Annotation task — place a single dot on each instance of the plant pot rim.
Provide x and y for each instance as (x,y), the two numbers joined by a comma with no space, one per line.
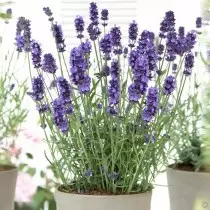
(57,192)
(8,169)
(169,167)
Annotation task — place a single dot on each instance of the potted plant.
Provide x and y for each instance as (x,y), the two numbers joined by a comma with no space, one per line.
(104,116)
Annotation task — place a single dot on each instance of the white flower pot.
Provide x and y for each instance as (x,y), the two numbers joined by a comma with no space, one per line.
(188,190)
(66,201)
(8,178)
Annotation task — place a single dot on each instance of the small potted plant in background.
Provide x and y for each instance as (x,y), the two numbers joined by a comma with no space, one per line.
(186,177)
(105,122)
(12,115)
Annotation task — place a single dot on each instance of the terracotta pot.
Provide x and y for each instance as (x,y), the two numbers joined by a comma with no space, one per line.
(188,190)
(8,177)
(66,201)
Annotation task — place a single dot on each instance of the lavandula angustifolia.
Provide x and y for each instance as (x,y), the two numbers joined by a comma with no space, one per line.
(171,44)
(106,46)
(151,108)
(104,17)
(132,34)
(49,64)
(49,13)
(79,26)
(36,53)
(116,40)
(140,78)
(167,24)
(169,85)
(78,64)
(93,28)
(23,35)
(189,63)
(58,35)
(198,22)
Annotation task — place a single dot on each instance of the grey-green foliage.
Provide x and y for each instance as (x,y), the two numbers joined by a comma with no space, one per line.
(186,132)
(12,114)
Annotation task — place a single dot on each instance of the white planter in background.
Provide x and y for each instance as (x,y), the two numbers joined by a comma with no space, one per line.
(66,201)
(188,190)
(7,188)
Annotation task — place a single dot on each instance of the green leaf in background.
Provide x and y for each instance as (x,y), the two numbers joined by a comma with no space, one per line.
(29,155)
(31,171)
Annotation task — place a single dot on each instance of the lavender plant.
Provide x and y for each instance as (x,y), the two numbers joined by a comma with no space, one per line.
(105,123)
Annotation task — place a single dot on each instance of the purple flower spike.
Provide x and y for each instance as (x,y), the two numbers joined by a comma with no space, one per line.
(23,35)
(49,64)
(151,108)
(189,63)
(43,108)
(169,85)
(106,46)
(59,118)
(86,47)
(64,90)
(79,65)
(116,40)
(199,22)
(171,43)
(49,13)
(93,31)
(167,24)
(58,35)
(104,17)
(79,26)
(94,13)
(133,33)
(37,88)
(36,53)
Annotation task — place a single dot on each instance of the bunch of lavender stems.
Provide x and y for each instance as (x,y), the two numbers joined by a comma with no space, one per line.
(105,125)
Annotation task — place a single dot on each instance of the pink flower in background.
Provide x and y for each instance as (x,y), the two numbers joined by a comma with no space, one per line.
(14,151)
(33,135)
(25,188)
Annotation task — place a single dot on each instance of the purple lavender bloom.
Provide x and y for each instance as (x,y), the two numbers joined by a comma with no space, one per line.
(113,176)
(198,22)
(59,118)
(151,105)
(114,91)
(149,139)
(167,24)
(37,89)
(112,110)
(181,31)
(58,35)
(160,51)
(79,26)
(79,65)
(104,17)
(133,33)
(49,64)
(132,58)
(189,63)
(169,85)
(48,12)
(171,43)
(141,78)
(36,53)
(43,108)
(23,35)
(114,88)
(93,31)
(12,86)
(88,173)
(190,40)
(86,46)
(116,40)
(19,43)
(9,12)
(99,106)
(106,46)
(64,90)
(94,13)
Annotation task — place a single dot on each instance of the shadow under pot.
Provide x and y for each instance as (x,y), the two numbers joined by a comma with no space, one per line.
(8,178)
(188,190)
